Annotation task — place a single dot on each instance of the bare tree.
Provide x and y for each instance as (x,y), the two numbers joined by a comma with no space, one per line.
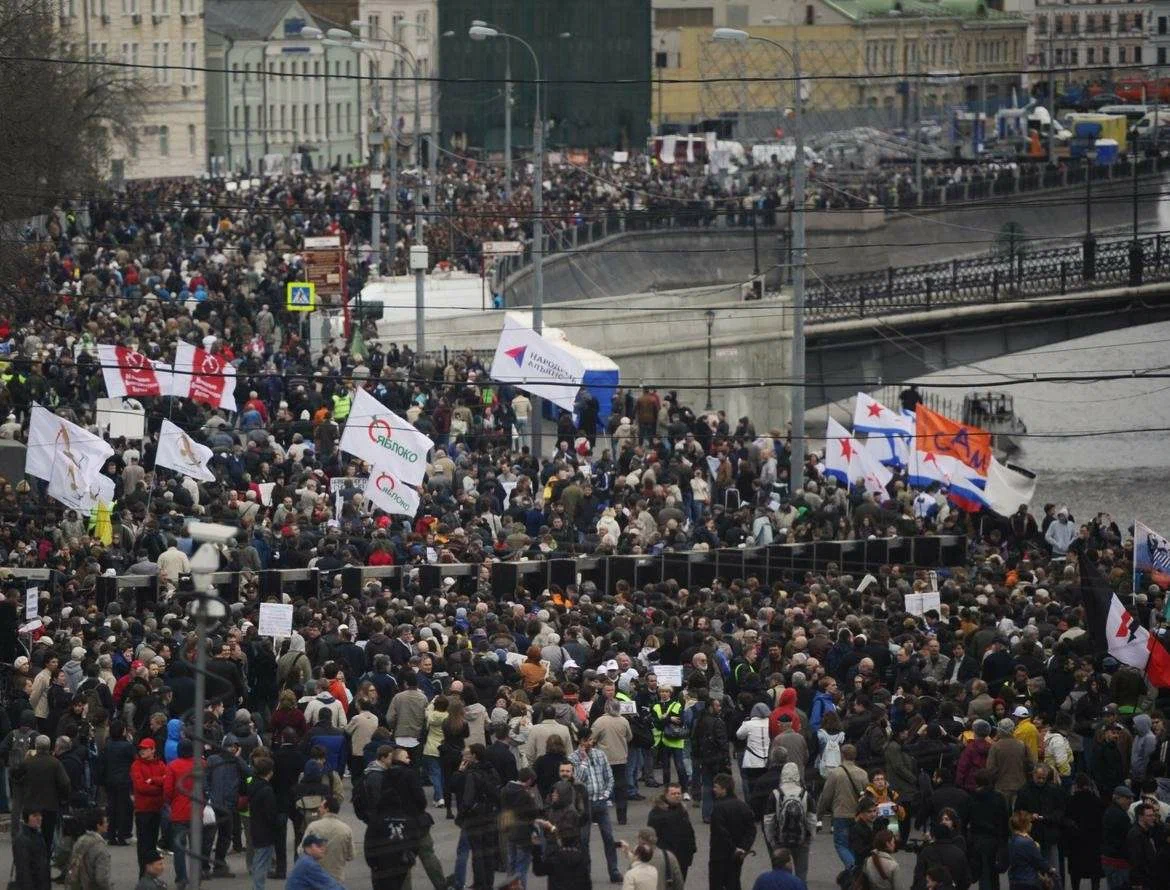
(62,115)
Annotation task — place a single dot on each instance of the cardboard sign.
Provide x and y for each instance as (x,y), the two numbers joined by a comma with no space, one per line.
(32,603)
(668,675)
(275,620)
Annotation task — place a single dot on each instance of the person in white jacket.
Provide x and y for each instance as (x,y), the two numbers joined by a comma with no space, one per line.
(754,732)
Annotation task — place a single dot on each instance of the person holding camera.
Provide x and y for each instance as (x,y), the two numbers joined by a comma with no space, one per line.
(641,875)
(558,855)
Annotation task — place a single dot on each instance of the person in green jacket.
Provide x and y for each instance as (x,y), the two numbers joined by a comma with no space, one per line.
(670,735)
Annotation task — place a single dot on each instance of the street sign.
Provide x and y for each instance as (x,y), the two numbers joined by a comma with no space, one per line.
(324,264)
(300,296)
(502,248)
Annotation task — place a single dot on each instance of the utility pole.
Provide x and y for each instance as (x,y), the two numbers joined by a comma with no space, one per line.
(419,261)
(796,470)
(392,230)
(195,835)
(1051,98)
(507,121)
(538,251)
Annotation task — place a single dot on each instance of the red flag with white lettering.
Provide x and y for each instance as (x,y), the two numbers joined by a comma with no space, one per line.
(204,377)
(128,373)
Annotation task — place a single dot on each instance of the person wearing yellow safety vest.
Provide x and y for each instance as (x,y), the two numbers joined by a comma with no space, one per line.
(342,402)
(670,735)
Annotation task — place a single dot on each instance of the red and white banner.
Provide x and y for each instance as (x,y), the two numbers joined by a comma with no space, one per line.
(129,373)
(389,493)
(204,378)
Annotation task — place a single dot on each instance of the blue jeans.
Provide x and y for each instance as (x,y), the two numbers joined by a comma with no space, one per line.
(605,826)
(1115,878)
(707,781)
(462,854)
(179,833)
(261,862)
(841,841)
(634,769)
(679,757)
(519,861)
(435,772)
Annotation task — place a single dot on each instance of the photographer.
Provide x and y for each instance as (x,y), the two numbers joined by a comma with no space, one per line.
(558,855)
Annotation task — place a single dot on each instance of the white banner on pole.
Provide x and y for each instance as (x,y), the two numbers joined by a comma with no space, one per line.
(537,365)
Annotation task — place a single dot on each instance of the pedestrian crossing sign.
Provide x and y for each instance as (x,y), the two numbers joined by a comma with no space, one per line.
(300,296)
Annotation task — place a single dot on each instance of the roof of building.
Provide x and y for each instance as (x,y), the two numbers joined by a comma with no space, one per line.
(245,19)
(911,9)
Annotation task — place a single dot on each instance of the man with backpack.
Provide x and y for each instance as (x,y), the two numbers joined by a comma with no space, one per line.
(13,750)
(89,863)
(790,824)
(478,786)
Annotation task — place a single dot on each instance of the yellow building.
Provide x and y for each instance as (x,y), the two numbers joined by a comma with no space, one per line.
(864,62)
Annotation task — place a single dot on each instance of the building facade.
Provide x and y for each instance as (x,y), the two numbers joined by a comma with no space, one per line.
(905,60)
(403,36)
(1110,36)
(593,58)
(166,38)
(288,100)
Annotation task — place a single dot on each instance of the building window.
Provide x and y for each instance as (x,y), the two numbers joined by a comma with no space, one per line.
(1042,25)
(164,142)
(190,61)
(1137,55)
(396,25)
(282,108)
(810,14)
(1161,55)
(420,21)
(1121,55)
(162,74)
(236,117)
(1161,24)
(192,147)
(317,118)
(293,110)
(1072,56)
(1105,55)
(1137,23)
(1059,57)
(1090,55)
(374,23)
(348,117)
(1058,24)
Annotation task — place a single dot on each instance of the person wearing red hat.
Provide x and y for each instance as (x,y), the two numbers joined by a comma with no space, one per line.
(148,777)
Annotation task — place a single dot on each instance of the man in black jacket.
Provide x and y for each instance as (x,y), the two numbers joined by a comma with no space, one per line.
(946,850)
(1046,801)
(30,856)
(987,828)
(733,831)
(265,821)
(1142,848)
(672,823)
(395,832)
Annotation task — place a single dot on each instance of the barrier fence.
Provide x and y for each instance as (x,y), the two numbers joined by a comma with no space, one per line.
(776,563)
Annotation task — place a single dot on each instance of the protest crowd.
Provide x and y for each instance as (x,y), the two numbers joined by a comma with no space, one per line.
(993,736)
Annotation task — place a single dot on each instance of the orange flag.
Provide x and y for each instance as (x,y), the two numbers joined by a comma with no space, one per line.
(969,445)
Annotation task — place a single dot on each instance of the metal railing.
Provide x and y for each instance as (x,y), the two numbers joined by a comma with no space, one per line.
(1060,270)
(729,214)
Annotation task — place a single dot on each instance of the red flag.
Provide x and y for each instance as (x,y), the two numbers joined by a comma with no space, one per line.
(204,377)
(128,373)
(1158,667)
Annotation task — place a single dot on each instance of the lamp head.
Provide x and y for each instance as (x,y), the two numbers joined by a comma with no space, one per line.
(338,34)
(730,35)
(482,32)
(309,32)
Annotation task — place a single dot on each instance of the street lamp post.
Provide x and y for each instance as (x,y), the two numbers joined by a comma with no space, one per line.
(1089,255)
(483,32)
(710,326)
(796,466)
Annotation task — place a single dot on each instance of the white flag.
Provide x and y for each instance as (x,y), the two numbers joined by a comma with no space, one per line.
(52,440)
(841,453)
(69,488)
(178,452)
(384,440)
(1007,487)
(389,493)
(537,365)
(872,473)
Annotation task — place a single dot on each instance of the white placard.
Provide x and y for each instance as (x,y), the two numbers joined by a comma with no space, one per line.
(668,675)
(931,600)
(628,708)
(275,620)
(32,603)
(913,603)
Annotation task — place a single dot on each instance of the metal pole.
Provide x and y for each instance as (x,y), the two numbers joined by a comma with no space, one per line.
(1133,160)
(420,323)
(376,222)
(796,477)
(538,246)
(755,243)
(433,157)
(1157,115)
(392,231)
(1051,100)
(710,324)
(417,127)
(265,123)
(227,102)
(508,120)
(195,849)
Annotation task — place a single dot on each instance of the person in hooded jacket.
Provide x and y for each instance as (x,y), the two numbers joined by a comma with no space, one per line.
(946,849)
(1144,744)
(114,775)
(326,734)
(174,736)
(974,756)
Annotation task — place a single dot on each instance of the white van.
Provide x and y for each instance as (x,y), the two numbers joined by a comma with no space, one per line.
(1145,126)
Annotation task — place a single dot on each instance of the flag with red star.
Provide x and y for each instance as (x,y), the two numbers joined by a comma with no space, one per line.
(841,453)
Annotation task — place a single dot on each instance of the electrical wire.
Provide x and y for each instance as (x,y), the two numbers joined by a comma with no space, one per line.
(546,82)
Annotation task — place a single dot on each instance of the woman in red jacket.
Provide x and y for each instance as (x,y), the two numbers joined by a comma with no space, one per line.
(148,777)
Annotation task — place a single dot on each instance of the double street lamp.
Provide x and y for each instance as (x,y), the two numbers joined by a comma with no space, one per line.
(797,394)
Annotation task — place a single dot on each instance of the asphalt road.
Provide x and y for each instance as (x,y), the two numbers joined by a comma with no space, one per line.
(823,862)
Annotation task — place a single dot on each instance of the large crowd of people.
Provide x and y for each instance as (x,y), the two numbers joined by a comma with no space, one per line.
(989,734)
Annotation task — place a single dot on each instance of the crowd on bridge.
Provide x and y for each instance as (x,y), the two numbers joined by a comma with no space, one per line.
(989,730)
